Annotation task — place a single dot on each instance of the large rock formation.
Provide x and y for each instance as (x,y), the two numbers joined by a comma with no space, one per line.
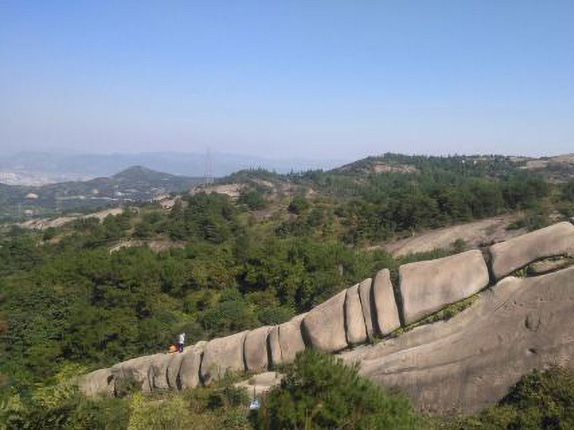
(285,341)
(134,371)
(386,312)
(468,362)
(516,253)
(354,318)
(427,286)
(255,349)
(463,364)
(291,339)
(157,372)
(368,306)
(324,325)
(174,369)
(98,382)
(190,365)
(221,355)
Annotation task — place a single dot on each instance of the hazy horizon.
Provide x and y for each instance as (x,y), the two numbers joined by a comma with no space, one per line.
(308,80)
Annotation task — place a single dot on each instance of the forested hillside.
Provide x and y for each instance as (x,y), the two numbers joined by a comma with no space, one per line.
(91,293)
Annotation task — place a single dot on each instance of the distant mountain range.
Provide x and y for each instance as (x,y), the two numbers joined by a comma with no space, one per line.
(134,184)
(137,183)
(37,168)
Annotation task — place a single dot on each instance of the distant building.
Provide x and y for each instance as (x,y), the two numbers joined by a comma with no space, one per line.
(7,177)
(32,196)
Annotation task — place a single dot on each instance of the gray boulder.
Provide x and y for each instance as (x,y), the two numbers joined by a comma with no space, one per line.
(260,384)
(255,349)
(158,371)
(428,286)
(354,319)
(274,347)
(386,313)
(286,340)
(324,325)
(368,306)
(468,363)
(516,253)
(135,371)
(291,339)
(174,367)
(190,365)
(222,355)
(97,383)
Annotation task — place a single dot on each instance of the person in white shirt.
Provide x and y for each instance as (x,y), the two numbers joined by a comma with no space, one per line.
(180,341)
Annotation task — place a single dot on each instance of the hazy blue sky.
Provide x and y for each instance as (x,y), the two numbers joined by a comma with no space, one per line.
(304,78)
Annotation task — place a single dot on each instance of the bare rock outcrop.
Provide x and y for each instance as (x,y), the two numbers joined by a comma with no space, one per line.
(386,312)
(255,349)
(368,306)
(428,286)
(509,256)
(158,371)
(286,340)
(324,325)
(274,347)
(174,368)
(97,383)
(135,371)
(291,339)
(463,364)
(189,370)
(468,362)
(354,318)
(221,355)
(260,384)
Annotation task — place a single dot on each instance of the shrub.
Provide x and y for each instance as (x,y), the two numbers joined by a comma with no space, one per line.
(542,400)
(253,200)
(298,205)
(320,392)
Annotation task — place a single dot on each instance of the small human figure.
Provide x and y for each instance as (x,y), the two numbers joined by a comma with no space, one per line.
(180,341)
(172,349)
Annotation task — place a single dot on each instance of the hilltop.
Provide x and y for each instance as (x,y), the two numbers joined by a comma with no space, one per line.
(132,185)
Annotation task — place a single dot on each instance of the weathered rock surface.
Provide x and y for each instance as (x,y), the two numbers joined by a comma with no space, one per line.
(221,355)
(428,286)
(190,365)
(368,306)
(274,347)
(260,384)
(354,319)
(324,325)
(285,341)
(386,312)
(291,339)
(174,367)
(134,370)
(516,253)
(158,371)
(96,383)
(255,349)
(467,363)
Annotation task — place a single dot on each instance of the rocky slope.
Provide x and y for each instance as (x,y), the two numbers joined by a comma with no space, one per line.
(461,364)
